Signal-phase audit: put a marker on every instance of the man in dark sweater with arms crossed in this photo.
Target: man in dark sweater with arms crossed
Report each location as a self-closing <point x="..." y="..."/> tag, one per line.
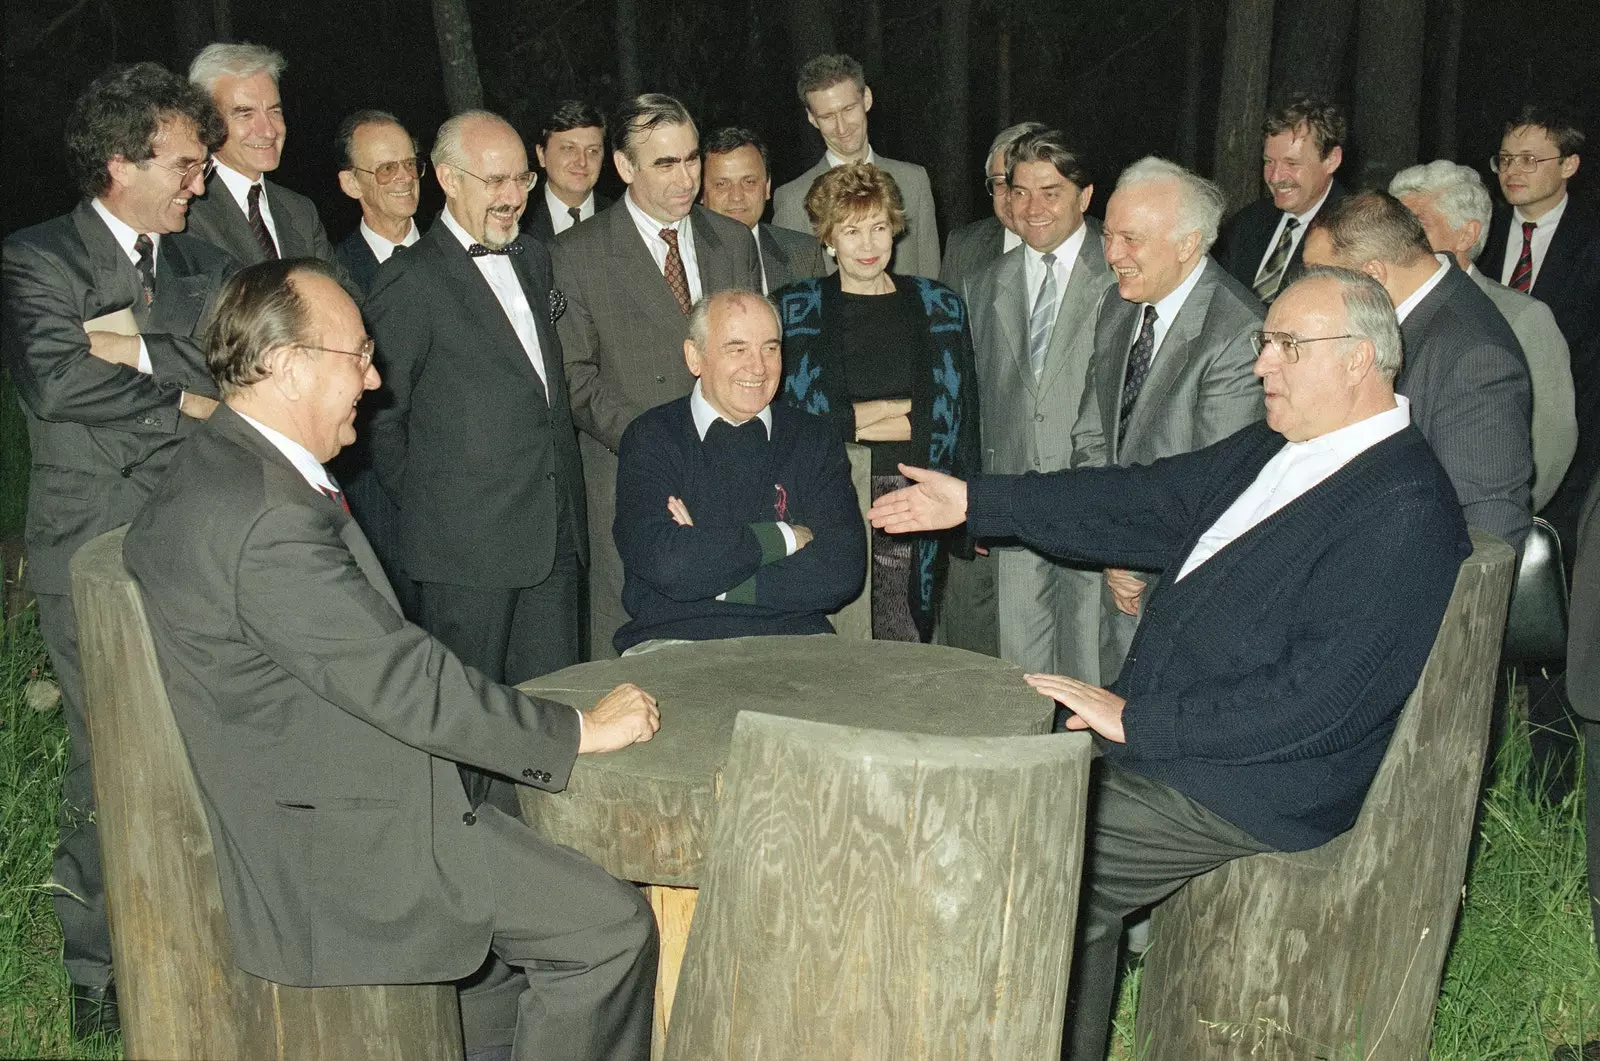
<point x="1306" y="564"/>
<point x="734" y="516"/>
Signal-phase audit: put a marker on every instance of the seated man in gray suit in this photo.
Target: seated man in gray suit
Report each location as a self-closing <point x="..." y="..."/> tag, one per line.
<point x="737" y="183"/>
<point x="1454" y="209"/>
<point x="1464" y="371"/>
<point x="1172" y="355"/>
<point x="311" y="709"/>
<point x="100" y="306"/>
<point x="837" y="99"/>
<point x="974" y="245"/>
<point x="1033" y="315"/>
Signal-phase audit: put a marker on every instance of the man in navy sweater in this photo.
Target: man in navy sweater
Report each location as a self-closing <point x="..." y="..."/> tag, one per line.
<point x="734" y="516"/>
<point x="1306" y="563"/>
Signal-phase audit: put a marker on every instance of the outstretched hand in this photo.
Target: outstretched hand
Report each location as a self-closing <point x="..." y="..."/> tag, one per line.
<point x="1092" y="707"/>
<point x="933" y="501"/>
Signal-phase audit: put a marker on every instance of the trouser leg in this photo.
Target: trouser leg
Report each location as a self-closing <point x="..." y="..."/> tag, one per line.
<point x="79" y="893"/>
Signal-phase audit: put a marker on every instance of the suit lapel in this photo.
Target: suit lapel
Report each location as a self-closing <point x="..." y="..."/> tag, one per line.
<point x="473" y="291"/>
<point x="539" y="303"/>
<point x="1561" y="257"/>
<point x="1077" y="301"/>
<point x="1176" y="349"/>
<point x="1011" y="310"/>
<point x="1112" y="340"/>
<point x="709" y="253"/>
<point x="115" y="280"/>
<point x="181" y="289"/>
<point x="633" y="271"/>
<point x="231" y="227"/>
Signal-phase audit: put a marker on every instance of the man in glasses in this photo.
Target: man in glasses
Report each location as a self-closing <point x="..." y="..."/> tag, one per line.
<point x="381" y="170"/>
<point x="101" y="307"/>
<point x="974" y="245"/>
<point x="1305" y="565"/>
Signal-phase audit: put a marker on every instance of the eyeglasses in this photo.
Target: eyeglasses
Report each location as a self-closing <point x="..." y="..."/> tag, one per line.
<point x="994" y="184"/>
<point x="1287" y="345"/>
<point x="1507" y="163"/>
<point x="497" y="185"/>
<point x="389" y="172"/>
<point x="364" y="355"/>
<point x="204" y="169"/>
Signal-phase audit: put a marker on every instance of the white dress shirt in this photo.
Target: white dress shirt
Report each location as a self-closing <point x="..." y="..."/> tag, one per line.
<point x="834" y="161"/>
<point x="1293" y="471"/>
<point x="1403" y="310"/>
<point x="1297" y="235"/>
<point x="1167" y="308"/>
<point x="502" y="278"/>
<point x="650" y="231"/>
<point x="125" y="236"/>
<point x="1009" y="242"/>
<point x="1066" y="258"/>
<point x="238" y="186"/>
<point x="1542" y="235"/>
<point x="560" y="220"/>
<point x="382" y="246"/>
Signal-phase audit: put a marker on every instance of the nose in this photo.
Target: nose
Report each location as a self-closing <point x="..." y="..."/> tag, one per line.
<point x="370" y="380"/>
<point x="196" y="185"/>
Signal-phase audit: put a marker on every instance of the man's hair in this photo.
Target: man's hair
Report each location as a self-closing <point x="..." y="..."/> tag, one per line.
<point x="219" y="60"/>
<point x="260" y="309"/>
<point x="1323" y="120"/>
<point x="344" y="141"/>
<point x="1557" y="122"/>
<point x="700" y="312"/>
<point x="642" y="114"/>
<point x="1003" y="140"/>
<point x="1373" y="226"/>
<point x="1457" y="193"/>
<point x="732" y="138"/>
<point x="1200" y="202"/>
<point x="1369" y="313"/>
<point x="853" y="190"/>
<point x="447" y="148"/>
<point x="1048" y="145"/>
<point x="121" y="112"/>
<point x="824" y="71"/>
<point x="572" y="114"/>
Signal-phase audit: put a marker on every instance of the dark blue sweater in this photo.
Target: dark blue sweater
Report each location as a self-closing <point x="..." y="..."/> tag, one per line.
<point x="1266" y="684"/>
<point x="737" y="487"/>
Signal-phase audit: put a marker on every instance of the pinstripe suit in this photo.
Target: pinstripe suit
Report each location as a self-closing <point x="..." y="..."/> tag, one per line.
<point x="1042" y="607"/>
<point x="1200" y="389"/>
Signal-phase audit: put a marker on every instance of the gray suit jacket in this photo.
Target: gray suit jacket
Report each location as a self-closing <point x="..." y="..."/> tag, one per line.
<point x="1201" y="389"/>
<point x="916" y="253"/>
<point x="788" y="256"/>
<point x="100" y="434"/>
<point x="322" y="726"/>
<point x="216" y="218"/>
<point x="1472" y="400"/>
<point x="1555" y="424"/>
<point x="970" y="249"/>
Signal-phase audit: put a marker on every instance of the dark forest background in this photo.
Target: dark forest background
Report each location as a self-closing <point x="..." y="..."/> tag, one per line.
<point x="1188" y="79"/>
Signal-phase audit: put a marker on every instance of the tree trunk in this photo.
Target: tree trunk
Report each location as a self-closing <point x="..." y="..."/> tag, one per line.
<point x="628" y="76"/>
<point x="870" y="47"/>
<point x="1194" y="44"/>
<point x="755" y="64"/>
<point x="222" y="19"/>
<point x="810" y="30"/>
<point x="1446" y="76"/>
<point x="1002" y="73"/>
<point x="1388" y="98"/>
<point x="1310" y="46"/>
<point x="954" y="202"/>
<point x="463" y="90"/>
<point x="189" y="27"/>
<point x="1246" y="49"/>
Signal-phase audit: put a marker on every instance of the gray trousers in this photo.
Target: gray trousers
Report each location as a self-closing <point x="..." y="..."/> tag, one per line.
<point x="78" y="892"/>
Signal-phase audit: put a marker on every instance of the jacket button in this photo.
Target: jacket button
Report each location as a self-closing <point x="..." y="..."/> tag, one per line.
<point x="1038" y="419"/>
<point x="530" y="772"/>
<point x="546" y="777"/>
<point x="551" y="476"/>
<point x="469" y="818"/>
<point x="661" y="379"/>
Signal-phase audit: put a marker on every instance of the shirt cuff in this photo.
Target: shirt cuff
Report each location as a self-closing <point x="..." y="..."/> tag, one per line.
<point x="144" y="359"/>
<point x="789" y="541"/>
<point x="579" y="710"/>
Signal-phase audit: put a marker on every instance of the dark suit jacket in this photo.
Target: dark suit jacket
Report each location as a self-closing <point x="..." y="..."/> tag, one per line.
<point x="972" y="247"/>
<point x="322" y="726"/>
<point x="100" y="434"/>
<point x="355" y="256"/>
<point x="1472" y="400"/>
<point x="216" y="218"/>
<point x="480" y="463"/>
<point x="536" y="219"/>
<point x="1243" y="241"/>
<point x="789" y="256"/>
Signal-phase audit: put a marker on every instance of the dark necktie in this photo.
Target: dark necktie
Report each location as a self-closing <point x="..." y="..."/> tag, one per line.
<point x="478" y="250"/>
<point x="1271" y="278"/>
<point x="1522" y="275"/>
<point x="336" y="495"/>
<point x="575" y="213"/>
<point x="1139" y="358"/>
<point x="258" y="224"/>
<point x="145" y="247"/>
<point x="677" y="279"/>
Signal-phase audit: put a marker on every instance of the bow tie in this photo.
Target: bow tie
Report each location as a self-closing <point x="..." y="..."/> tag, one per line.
<point x="478" y="250"/>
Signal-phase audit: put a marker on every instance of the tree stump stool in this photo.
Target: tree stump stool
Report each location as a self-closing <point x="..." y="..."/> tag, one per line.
<point x="180" y="994"/>
<point x="885" y="895"/>
<point x="1339" y="950"/>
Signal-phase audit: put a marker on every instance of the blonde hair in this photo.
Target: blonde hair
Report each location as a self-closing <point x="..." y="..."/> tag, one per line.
<point x="852" y="191"/>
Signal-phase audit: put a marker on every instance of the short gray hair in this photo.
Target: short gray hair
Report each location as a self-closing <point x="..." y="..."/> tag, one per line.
<point x="1369" y="313"/>
<point x="219" y="60"/>
<point x="1457" y="193"/>
<point x="447" y="149"/>
<point x="1200" y="202"/>
<point x="700" y="312"/>
<point x="1005" y="138"/>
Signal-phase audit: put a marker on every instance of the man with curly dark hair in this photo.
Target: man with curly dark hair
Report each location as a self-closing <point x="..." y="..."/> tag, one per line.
<point x="101" y="308"/>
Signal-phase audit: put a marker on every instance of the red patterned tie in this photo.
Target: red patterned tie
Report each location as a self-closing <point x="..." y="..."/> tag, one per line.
<point x="337" y="495"/>
<point x="1522" y="275"/>
<point x="145" y="247"/>
<point x="677" y="279"/>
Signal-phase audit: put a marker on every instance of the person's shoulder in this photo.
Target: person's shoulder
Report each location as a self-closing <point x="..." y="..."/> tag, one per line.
<point x="656" y="428"/>
<point x="789" y="239"/>
<point x="726" y="228"/>
<point x="899" y="170"/>
<point x="592" y="235"/>
<point x="288" y="197"/>
<point x="52" y="235"/>
<point x="1232" y="303"/>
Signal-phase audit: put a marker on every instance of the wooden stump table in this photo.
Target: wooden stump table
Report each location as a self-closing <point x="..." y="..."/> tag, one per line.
<point x="645" y="813"/>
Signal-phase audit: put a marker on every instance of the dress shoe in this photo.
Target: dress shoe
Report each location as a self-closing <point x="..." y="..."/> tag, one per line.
<point x="1589" y="1051"/>
<point x="94" y="1011"/>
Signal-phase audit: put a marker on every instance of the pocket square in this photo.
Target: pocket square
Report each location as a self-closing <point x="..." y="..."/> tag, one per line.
<point x="558" y="304"/>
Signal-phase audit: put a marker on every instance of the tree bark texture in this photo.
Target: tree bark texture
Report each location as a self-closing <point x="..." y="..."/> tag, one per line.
<point x="810" y="24"/>
<point x="1247" y="46"/>
<point x="1446" y="39"/>
<point x="950" y="184"/>
<point x="463" y="89"/>
<point x="1187" y="148"/>
<point x="1386" y="119"/>
<point x="1309" y="48"/>
<point x="628" y="76"/>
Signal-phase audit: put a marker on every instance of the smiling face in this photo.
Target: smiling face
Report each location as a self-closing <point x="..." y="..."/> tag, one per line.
<point x="863" y="246"/>
<point x="737" y="184"/>
<point x="1148" y="258"/>
<point x="1046" y="208"/>
<point x="1314" y="395"/>
<point x="571" y="161"/>
<point x="487" y="200"/>
<point x="663" y="177"/>
<point x="839" y="113"/>
<point x="385" y="206"/>
<point x="742" y="362"/>
<point x="256" y="131"/>
<point x="1295" y="173"/>
<point x="153" y="196"/>
<point x="328" y="384"/>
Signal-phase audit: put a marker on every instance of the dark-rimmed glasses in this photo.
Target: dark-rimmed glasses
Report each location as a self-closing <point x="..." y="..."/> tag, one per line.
<point x="389" y="172"/>
<point x="364" y="355"/>
<point x="1287" y="345"/>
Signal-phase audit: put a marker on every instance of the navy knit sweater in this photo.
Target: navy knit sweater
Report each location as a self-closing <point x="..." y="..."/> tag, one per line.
<point x="1266" y="684"/>
<point x="737" y="485"/>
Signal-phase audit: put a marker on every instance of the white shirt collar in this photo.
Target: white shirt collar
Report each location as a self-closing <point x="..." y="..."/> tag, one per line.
<point x="835" y="160"/>
<point x="1305" y="218"/>
<point x="1350" y="441"/>
<point x="705" y="416"/>
<point x="382" y="246"/>
<point x="455" y="228"/>
<point x="1551" y="218"/>
<point x="123" y="233"/>
<point x="1169" y="305"/>
<point x="310" y="469"/>
<point x="1403" y="310"/>
<point x="558" y="209"/>
<point x="650" y="228"/>
<point x="238" y="184"/>
<point x="1066" y="254"/>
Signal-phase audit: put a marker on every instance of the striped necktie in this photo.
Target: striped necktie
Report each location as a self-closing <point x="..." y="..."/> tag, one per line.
<point x="1041" y="322"/>
<point x="258" y="224"/>
<point x="1522" y="275"/>
<point x="1272" y="272"/>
